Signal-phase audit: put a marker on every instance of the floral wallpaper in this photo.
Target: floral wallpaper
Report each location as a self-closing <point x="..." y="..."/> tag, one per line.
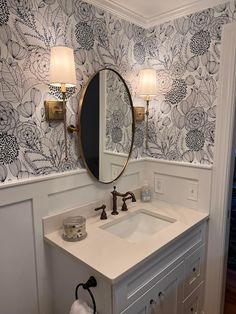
<point x="118" y="115"/>
<point x="185" y="52"/>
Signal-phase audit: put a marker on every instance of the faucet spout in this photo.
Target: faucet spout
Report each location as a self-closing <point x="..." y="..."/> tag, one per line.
<point x="132" y="196"/>
<point x="123" y="195"/>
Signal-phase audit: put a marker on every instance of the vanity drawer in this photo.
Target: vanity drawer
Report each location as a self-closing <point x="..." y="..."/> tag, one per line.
<point x="194" y="270"/>
<point x="194" y="303"/>
<point x="147" y="274"/>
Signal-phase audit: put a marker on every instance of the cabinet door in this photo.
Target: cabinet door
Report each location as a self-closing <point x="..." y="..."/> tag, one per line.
<point x="165" y="297"/>
<point x="170" y="293"/>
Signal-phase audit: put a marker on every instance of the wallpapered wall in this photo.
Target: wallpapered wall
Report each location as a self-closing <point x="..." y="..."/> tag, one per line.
<point x="185" y="53"/>
<point x="118" y="115"/>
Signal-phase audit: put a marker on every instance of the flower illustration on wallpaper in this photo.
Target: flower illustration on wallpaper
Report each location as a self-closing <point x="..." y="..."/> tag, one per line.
<point x="116" y="135"/>
<point x="139" y="33"/>
<point x="177" y="93"/>
<point x="9" y="117"/>
<point x="177" y="69"/>
<point x="100" y="32"/>
<point x="201" y="20"/>
<point x="195" y="118"/>
<point x="200" y="43"/>
<point x="164" y="82"/>
<point x="27" y="134"/>
<point x="195" y="140"/>
<point x="151" y="45"/>
<point x="4" y="12"/>
<point x="3" y="173"/>
<point x="174" y="155"/>
<point x="209" y="131"/>
<point x="216" y="26"/>
<point x="83" y="11"/>
<point x="23" y="8"/>
<point x="138" y="145"/>
<point x="9" y="148"/>
<point x="39" y="60"/>
<point x="84" y="35"/>
<point x="139" y="52"/>
<point x="117" y="118"/>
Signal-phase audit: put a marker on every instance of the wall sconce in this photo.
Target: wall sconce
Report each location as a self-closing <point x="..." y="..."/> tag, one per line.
<point x="147" y="89"/>
<point x="61" y="74"/>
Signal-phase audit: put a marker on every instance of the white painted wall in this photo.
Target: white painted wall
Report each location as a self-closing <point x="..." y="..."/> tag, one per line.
<point x="24" y="272"/>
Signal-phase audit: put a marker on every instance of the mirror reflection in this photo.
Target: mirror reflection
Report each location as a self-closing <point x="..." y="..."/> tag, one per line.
<point x="106" y="125"/>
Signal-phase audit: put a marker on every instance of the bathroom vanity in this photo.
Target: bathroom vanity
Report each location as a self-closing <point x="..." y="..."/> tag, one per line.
<point x="150" y="259"/>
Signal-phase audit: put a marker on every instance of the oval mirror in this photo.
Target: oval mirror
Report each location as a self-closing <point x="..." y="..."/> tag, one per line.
<point x="106" y="124"/>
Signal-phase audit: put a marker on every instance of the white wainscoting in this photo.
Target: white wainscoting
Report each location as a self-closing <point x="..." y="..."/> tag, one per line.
<point x="24" y="270"/>
<point x="176" y="181"/>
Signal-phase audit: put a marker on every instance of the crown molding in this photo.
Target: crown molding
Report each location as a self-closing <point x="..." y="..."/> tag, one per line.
<point x="196" y="6"/>
<point x="120" y="11"/>
<point x="150" y="21"/>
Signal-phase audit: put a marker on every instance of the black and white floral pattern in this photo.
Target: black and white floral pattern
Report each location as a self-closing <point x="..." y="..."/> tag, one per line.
<point x="4" y="12"/>
<point x="9" y="148"/>
<point x="177" y="92"/>
<point x="195" y="140"/>
<point x="185" y="53"/>
<point x="200" y="43"/>
<point x="84" y="35"/>
<point x="118" y="115"/>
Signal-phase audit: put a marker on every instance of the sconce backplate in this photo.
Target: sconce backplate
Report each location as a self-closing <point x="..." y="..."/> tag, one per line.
<point x="139" y="114"/>
<point x="54" y="110"/>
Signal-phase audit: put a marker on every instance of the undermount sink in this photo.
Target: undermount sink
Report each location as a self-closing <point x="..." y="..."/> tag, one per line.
<point x="138" y="226"/>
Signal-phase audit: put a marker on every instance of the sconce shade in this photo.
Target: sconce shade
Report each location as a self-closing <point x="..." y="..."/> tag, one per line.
<point x="147" y="84"/>
<point x="62" y="67"/>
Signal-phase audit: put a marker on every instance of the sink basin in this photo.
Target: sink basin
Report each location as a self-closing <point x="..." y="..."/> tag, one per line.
<point x="138" y="226"/>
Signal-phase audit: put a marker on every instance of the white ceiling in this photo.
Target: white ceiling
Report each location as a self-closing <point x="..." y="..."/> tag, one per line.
<point x="151" y="12"/>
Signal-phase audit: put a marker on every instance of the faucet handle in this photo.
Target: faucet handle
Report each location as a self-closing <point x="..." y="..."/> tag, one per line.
<point x="103" y="214"/>
<point x="124" y="205"/>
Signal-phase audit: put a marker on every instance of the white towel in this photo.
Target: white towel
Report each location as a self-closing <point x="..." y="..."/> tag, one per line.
<point x="80" y="307"/>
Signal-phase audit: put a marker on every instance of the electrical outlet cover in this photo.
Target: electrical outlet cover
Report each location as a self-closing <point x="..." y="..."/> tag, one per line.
<point x="159" y="185"/>
<point x="193" y="191"/>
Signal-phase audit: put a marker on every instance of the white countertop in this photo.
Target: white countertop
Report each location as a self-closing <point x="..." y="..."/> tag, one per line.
<point x="112" y="256"/>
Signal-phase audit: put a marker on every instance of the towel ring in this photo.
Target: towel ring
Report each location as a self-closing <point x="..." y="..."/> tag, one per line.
<point x="91" y="283"/>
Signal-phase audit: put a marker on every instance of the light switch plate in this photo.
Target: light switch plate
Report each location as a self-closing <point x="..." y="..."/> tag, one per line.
<point x="192" y="191"/>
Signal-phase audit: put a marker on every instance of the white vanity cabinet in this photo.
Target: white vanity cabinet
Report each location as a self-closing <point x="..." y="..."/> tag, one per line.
<point x="162" y="275"/>
<point x="172" y="282"/>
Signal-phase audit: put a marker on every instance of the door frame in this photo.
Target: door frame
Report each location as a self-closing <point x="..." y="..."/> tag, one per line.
<point x="221" y="175"/>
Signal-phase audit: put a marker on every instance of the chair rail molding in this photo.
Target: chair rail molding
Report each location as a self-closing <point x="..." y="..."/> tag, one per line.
<point x="221" y="178"/>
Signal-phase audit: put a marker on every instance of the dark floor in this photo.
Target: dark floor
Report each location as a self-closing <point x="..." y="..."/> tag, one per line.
<point x="230" y="292"/>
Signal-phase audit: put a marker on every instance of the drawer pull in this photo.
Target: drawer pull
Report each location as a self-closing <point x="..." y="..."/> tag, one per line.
<point x="152" y="302"/>
<point x="194" y="269"/>
<point x="160" y="294"/>
<point x="192" y="309"/>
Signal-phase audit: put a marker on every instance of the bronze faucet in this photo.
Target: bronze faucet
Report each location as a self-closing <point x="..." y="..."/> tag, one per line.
<point x="123" y="195"/>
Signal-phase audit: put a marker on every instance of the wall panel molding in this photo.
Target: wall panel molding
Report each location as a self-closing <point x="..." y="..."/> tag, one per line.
<point x="57" y="193"/>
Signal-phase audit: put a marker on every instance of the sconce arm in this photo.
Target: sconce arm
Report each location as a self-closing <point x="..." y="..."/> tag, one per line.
<point x="72" y="129"/>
